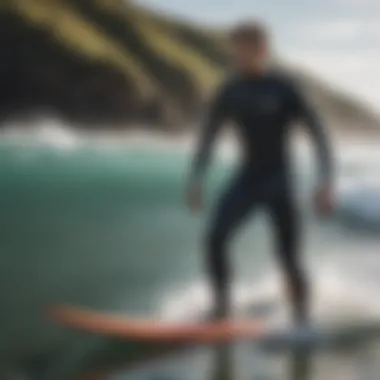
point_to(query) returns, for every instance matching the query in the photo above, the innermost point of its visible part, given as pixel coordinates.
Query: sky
(339, 40)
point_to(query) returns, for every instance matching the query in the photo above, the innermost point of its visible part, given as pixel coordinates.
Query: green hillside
(111, 61)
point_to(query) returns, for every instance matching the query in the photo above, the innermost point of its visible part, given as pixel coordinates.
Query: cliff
(97, 62)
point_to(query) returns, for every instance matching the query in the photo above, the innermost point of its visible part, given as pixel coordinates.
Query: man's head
(251, 46)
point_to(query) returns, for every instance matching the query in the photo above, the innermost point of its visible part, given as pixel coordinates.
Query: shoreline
(54, 132)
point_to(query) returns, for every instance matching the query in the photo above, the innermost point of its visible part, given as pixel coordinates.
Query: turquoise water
(104, 229)
(108, 229)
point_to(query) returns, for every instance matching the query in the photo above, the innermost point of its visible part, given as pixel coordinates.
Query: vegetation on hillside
(112, 62)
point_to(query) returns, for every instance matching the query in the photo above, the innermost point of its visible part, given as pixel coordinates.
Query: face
(250, 55)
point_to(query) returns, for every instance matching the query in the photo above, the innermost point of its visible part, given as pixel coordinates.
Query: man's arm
(312, 121)
(317, 131)
(215, 117)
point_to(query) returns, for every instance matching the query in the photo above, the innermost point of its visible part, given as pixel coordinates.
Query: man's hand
(324, 200)
(195, 196)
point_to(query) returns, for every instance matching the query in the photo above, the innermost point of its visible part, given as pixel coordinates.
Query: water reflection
(223, 364)
(247, 362)
(300, 364)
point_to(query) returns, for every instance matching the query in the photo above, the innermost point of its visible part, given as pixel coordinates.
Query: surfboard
(125, 327)
(253, 330)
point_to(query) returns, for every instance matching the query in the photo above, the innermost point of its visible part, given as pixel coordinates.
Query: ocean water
(104, 225)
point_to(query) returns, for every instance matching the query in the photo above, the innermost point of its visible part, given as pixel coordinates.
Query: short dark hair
(254, 31)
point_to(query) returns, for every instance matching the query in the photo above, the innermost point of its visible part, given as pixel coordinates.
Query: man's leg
(233, 207)
(287, 227)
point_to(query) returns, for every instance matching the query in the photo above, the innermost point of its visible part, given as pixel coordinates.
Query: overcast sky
(337, 39)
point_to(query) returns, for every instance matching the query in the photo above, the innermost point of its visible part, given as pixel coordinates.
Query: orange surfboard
(148, 330)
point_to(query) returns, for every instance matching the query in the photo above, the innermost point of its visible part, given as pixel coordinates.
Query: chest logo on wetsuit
(257, 103)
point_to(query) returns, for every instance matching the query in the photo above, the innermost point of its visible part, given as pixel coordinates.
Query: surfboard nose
(148, 330)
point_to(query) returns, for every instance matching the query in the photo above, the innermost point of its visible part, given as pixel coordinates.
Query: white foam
(43, 131)
(336, 296)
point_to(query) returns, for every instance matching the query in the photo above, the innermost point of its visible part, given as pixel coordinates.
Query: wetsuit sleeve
(215, 117)
(311, 119)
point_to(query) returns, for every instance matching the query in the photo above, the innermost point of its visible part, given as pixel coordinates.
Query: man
(263, 105)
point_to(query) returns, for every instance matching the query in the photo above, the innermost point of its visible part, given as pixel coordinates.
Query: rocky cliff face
(98, 62)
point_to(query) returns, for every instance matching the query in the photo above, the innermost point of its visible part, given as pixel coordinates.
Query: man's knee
(215, 240)
(297, 276)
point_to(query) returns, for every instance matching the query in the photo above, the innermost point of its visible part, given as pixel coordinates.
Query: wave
(359, 162)
(50, 133)
(42, 131)
(360, 202)
(359, 186)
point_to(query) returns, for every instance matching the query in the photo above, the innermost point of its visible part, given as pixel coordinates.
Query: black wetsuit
(263, 109)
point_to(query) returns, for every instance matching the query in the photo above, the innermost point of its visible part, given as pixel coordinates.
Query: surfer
(263, 105)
